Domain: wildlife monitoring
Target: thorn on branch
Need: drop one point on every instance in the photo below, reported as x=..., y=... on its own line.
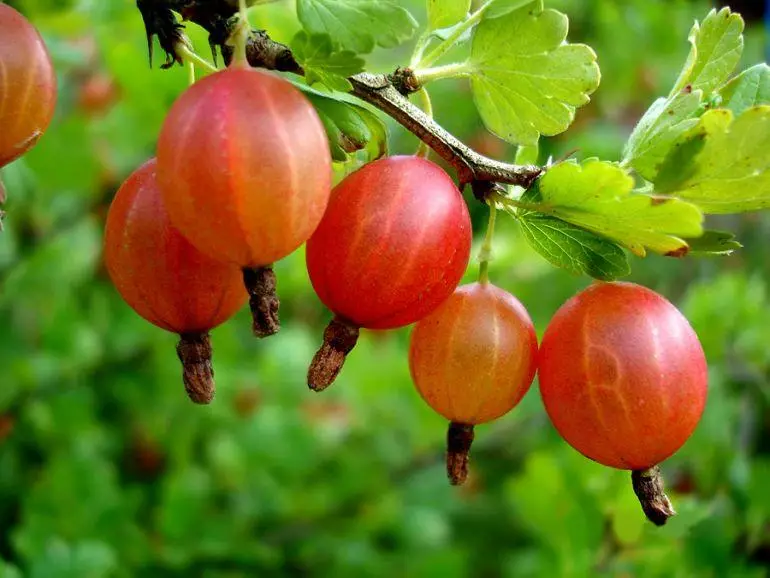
x=160, y=21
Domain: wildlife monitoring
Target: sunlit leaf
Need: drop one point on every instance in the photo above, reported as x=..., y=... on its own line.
x=749, y=88
x=716, y=48
x=445, y=13
x=598, y=196
x=526, y=80
x=731, y=173
x=358, y=25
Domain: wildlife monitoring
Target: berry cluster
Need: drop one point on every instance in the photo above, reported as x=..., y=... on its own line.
x=243, y=178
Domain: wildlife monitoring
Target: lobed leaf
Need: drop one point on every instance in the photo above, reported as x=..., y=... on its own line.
x=358, y=25
x=526, y=80
x=716, y=48
x=661, y=127
x=323, y=64
x=598, y=196
x=713, y=243
x=445, y=13
x=750, y=88
x=730, y=172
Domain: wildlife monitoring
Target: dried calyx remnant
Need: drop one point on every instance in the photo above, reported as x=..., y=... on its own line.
x=263, y=300
x=194, y=351
x=459, y=438
x=648, y=487
x=340, y=338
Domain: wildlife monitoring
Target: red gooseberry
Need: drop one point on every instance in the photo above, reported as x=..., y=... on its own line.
x=27, y=85
x=622, y=376
x=245, y=171
x=165, y=279
x=472, y=360
x=392, y=246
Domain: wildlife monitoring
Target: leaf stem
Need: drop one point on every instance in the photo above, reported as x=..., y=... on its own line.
x=452, y=39
x=190, y=71
x=426, y=75
x=240, y=35
x=423, y=150
x=485, y=255
x=508, y=202
x=419, y=49
x=195, y=58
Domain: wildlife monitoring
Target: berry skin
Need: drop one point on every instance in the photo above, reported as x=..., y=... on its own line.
x=622, y=375
x=27, y=85
x=245, y=171
x=244, y=166
x=472, y=360
x=392, y=246
x=165, y=279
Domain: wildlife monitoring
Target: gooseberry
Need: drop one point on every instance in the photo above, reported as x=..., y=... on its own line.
x=392, y=246
x=245, y=171
x=165, y=279
x=472, y=360
x=622, y=376
x=27, y=85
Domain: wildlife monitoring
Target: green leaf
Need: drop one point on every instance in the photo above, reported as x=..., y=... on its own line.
x=731, y=173
x=573, y=248
x=716, y=48
x=358, y=25
x=349, y=126
x=527, y=154
x=445, y=13
x=323, y=64
x=664, y=123
x=503, y=7
x=713, y=243
x=750, y=88
x=598, y=196
x=526, y=80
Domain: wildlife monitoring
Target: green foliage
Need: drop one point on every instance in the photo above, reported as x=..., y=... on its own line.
x=350, y=127
x=573, y=248
x=358, y=25
x=445, y=13
x=750, y=88
x=598, y=196
x=729, y=169
x=322, y=64
x=716, y=47
x=106, y=470
x=526, y=81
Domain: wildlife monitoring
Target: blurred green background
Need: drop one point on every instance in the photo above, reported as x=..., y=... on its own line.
x=106, y=468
